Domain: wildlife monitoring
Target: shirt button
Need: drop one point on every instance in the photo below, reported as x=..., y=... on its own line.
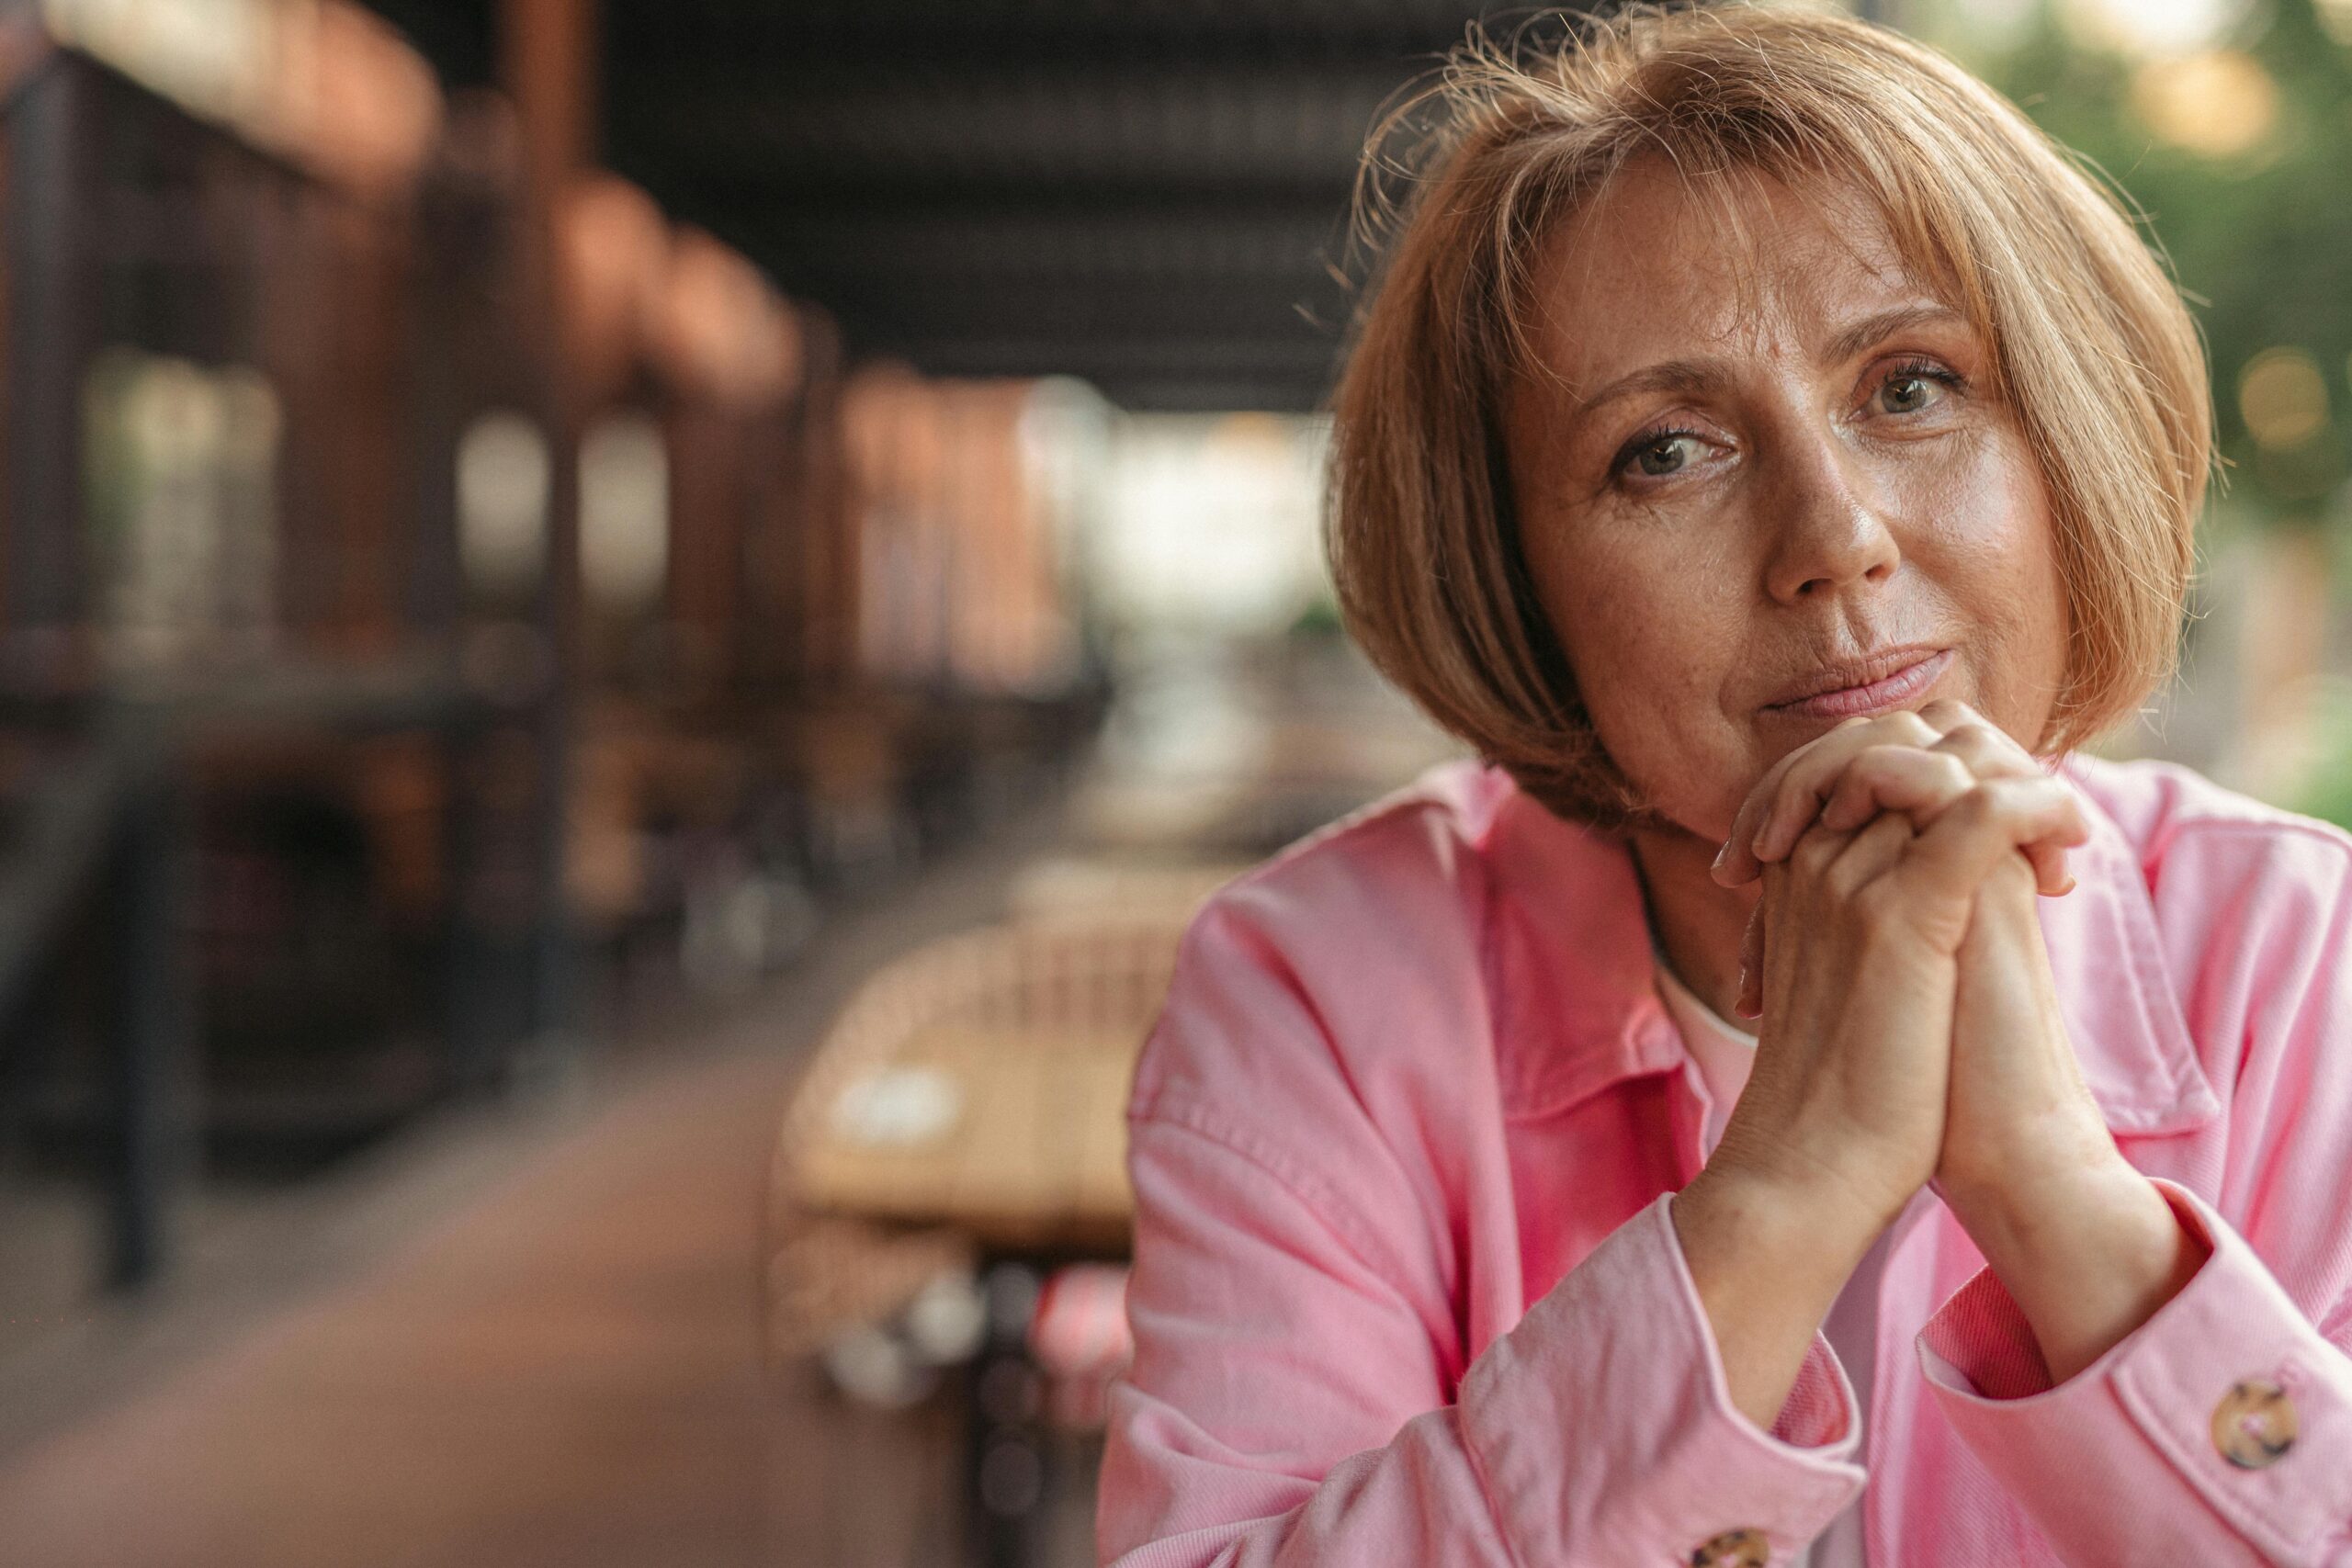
x=2254, y=1424
x=1734, y=1548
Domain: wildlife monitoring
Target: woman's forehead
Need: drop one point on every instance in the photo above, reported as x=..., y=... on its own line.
x=1660, y=266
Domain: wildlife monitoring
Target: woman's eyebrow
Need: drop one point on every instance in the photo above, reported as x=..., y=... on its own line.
x=1856, y=336
x=1707, y=375
x=1666, y=376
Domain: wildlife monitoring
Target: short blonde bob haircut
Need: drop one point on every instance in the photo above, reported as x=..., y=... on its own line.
x=2089, y=342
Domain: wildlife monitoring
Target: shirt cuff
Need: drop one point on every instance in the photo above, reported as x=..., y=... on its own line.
x=1619, y=1362
x=2229, y=1365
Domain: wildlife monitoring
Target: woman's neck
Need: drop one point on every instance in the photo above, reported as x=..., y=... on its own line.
x=1695, y=922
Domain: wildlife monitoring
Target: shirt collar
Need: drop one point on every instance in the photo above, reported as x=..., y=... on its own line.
x=1577, y=1004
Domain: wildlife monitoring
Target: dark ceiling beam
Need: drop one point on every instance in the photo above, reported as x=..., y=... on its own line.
x=979, y=31
x=1175, y=130
x=1206, y=312
x=914, y=248
x=1267, y=307
x=1152, y=194
x=1108, y=357
x=1153, y=352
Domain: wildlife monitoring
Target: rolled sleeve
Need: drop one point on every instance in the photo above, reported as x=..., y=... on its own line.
x=2123, y=1463
x=1620, y=1355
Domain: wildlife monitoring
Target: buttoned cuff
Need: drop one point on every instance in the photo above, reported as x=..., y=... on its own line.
x=2200, y=1394
x=1619, y=1363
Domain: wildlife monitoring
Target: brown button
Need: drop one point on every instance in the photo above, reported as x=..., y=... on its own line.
x=1734, y=1548
x=2254, y=1424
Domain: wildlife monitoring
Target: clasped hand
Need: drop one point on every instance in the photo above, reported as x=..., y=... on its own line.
x=1911, y=1032
x=1903, y=853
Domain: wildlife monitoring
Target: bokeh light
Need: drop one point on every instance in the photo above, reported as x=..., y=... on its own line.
x=2152, y=28
x=2219, y=103
x=2282, y=399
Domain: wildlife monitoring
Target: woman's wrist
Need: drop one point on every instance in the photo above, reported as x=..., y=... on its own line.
x=2088, y=1256
x=1767, y=1262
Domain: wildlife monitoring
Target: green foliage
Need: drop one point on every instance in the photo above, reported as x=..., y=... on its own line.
x=2261, y=240
x=2326, y=791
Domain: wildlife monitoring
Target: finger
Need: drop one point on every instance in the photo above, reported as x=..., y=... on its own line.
x=1873, y=851
x=1990, y=752
x=1999, y=815
x=1813, y=775
x=1809, y=762
x=1948, y=714
x=1845, y=860
x=1750, y=1001
x=2051, y=876
x=1889, y=777
x=1917, y=782
x=1738, y=864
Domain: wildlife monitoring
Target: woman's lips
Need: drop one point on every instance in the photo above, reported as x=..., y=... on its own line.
x=1887, y=692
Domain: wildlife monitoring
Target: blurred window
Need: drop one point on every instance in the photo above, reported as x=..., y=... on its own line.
x=1211, y=521
x=624, y=515
x=182, y=463
x=503, y=472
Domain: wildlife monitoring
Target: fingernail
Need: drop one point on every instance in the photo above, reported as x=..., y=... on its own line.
x=1722, y=855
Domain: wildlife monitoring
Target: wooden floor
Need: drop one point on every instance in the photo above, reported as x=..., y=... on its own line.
x=561, y=1367
x=527, y=1335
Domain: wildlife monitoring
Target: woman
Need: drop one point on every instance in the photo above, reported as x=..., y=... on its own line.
x=1775, y=459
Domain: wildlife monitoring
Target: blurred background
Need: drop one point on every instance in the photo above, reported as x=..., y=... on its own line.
x=627, y=632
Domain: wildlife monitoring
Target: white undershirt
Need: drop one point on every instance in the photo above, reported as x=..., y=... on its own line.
x=1723, y=1055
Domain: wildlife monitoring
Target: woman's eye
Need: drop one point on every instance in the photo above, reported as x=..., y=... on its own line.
x=1656, y=457
x=1916, y=387
x=1910, y=393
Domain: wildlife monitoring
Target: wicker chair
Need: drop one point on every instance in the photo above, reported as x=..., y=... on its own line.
x=999, y=1061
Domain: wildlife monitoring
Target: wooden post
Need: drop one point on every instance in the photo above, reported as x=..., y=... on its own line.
x=148, y=1020
x=548, y=53
x=53, y=331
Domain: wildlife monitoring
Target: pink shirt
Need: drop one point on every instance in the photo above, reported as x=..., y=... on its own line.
x=1723, y=1055
x=1406, y=1291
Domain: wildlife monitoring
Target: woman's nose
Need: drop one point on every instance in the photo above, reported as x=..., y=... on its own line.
x=1830, y=531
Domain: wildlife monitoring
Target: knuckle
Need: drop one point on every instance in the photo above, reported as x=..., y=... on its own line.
x=1964, y=739
x=1880, y=761
x=1950, y=711
x=1867, y=857
x=1798, y=792
x=1815, y=851
x=1911, y=729
x=1951, y=770
x=1844, y=881
x=1986, y=749
x=1969, y=815
x=2020, y=795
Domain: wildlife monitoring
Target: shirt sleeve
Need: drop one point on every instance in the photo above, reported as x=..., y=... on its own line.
x=2217, y=1432
x=2220, y=1431
x=1292, y=1397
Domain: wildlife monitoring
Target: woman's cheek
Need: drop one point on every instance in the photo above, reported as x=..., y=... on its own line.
x=1987, y=551
x=1652, y=695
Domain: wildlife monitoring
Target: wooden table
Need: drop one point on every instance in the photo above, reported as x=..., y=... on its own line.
x=1029, y=1151
x=973, y=1095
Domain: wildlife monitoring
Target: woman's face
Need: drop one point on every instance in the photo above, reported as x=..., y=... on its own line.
x=1731, y=499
